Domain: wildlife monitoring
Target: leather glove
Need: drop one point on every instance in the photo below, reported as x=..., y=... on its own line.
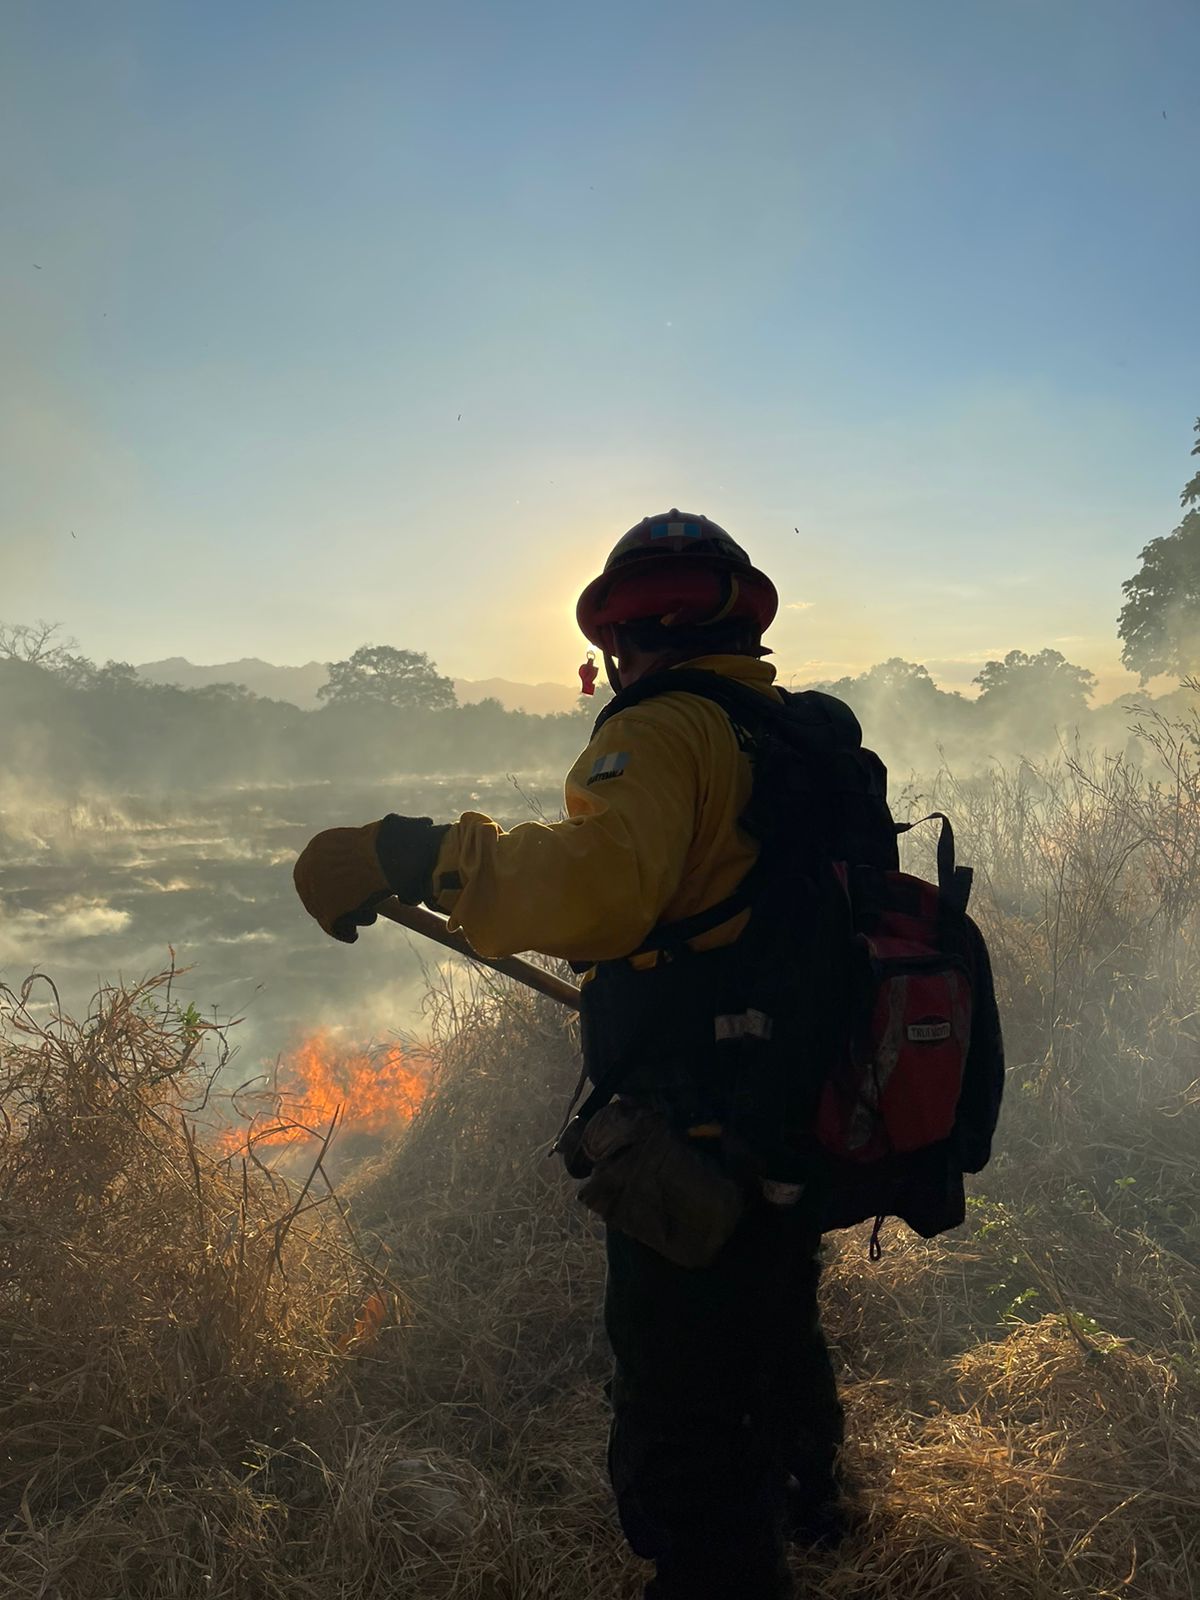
x=344, y=873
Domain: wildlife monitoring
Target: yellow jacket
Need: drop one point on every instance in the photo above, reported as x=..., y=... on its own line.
x=651, y=835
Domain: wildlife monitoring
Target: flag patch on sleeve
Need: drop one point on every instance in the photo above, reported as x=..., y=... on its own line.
x=608, y=767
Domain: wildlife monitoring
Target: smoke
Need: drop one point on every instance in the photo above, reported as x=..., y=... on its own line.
x=144, y=826
x=28, y=933
x=97, y=883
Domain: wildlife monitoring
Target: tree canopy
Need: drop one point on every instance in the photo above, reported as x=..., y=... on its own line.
x=1047, y=679
x=1159, y=625
x=378, y=675
x=894, y=676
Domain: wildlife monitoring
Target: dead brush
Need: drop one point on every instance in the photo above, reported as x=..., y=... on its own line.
x=1003, y=1445
x=1088, y=887
x=159, y=1307
x=1043, y=1468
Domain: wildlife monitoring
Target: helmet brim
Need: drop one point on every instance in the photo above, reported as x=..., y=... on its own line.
x=758, y=599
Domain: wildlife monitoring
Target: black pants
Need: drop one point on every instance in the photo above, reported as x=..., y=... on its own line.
x=723, y=1389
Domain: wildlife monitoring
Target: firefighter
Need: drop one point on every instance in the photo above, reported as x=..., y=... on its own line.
x=726, y=1425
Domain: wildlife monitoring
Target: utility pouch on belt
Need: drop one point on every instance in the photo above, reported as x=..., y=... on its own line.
x=649, y=1182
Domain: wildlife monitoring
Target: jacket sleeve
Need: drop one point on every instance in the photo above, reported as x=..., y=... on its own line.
x=591, y=887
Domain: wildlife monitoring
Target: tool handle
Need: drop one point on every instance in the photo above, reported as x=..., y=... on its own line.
x=431, y=926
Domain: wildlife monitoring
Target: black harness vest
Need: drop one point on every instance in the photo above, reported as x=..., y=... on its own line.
x=662, y=1031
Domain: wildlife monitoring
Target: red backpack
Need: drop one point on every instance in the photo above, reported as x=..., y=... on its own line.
x=912, y=1099
x=897, y=1086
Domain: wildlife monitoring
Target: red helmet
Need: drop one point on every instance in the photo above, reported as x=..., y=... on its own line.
x=681, y=571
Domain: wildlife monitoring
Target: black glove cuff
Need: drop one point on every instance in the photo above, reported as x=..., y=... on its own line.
x=407, y=848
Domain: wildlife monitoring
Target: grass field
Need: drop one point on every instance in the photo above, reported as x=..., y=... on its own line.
x=216, y=1381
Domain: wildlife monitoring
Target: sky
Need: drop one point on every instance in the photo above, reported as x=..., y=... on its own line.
x=325, y=324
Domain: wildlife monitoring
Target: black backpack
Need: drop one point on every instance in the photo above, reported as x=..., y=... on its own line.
x=864, y=1040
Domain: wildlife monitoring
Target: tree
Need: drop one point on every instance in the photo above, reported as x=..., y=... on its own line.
x=1046, y=685
x=40, y=645
x=222, y=694
x=37, y=644
x=76, y=672
x=377, y=675
x=120, y=677
x=1159, y=625
x=897, y=676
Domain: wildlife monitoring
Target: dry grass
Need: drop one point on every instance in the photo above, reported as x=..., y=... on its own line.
x=185, y=1411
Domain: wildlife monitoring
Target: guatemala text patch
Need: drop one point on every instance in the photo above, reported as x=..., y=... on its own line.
x=608, y=767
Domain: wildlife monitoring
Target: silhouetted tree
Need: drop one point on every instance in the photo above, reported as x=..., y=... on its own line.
x=892, y=677
x=378, y=675
x=77, y=672
x=1159, y=625
x=121, y=677
x=224, y=693
x=1047, y=683
x=37, y=643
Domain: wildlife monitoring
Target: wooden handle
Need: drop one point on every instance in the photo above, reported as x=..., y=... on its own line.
x=431, y=926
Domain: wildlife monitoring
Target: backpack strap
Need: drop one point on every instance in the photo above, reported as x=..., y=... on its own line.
x=733, y=698
x=954, y=882
x=819, y=723
x=745, y=707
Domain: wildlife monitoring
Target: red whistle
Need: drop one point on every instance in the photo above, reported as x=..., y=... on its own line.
x=588, y=673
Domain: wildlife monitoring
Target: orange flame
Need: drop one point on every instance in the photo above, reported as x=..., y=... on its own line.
x=377, y=1091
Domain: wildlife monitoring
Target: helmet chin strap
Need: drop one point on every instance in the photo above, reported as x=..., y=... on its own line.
x=658, y=663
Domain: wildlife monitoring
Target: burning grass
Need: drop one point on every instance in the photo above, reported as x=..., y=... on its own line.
x=368, y=1092
x=217, y=1378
